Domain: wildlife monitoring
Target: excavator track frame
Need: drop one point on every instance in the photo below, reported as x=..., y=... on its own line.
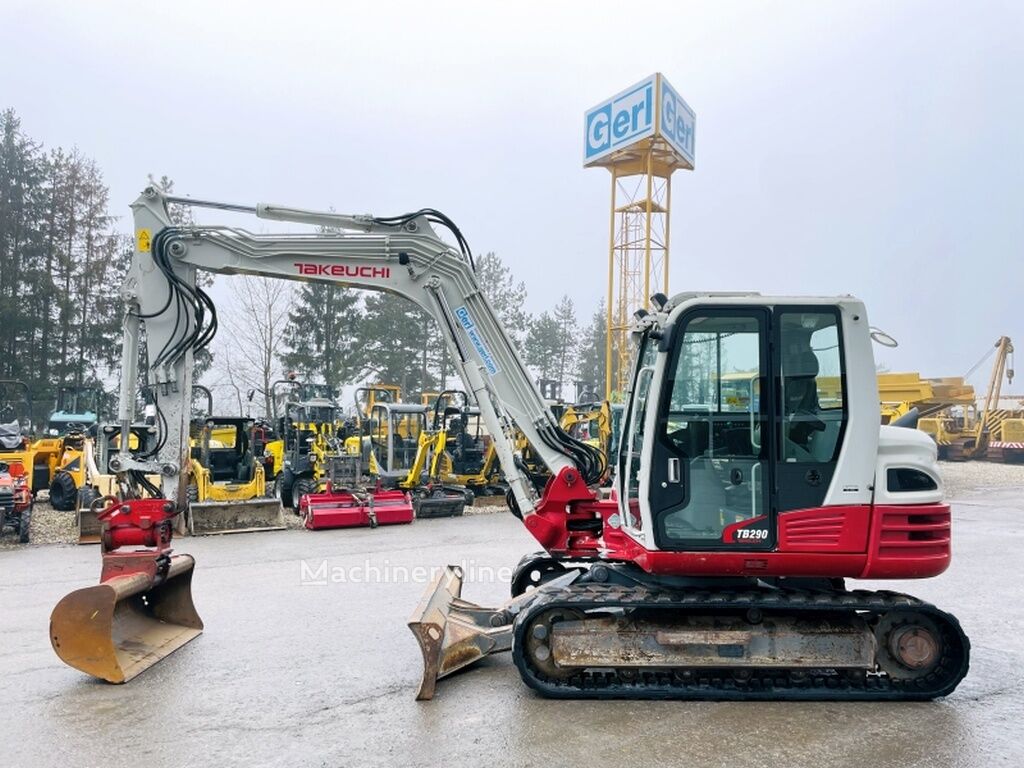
x=730, y=683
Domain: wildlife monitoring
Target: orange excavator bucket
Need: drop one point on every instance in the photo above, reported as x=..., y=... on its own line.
x=142, y=609
x=125, y=625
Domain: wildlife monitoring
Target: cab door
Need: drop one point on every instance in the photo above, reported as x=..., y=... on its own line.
x=713, y=445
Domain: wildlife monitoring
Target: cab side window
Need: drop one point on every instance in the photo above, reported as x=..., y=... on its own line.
x=811, y=378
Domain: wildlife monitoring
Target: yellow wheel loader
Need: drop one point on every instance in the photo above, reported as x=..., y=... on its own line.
x=312, y=433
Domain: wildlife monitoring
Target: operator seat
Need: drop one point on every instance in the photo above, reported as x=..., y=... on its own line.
x=800, y=388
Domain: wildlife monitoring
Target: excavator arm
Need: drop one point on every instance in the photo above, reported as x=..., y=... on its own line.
x=401, y=255
x=142, y=608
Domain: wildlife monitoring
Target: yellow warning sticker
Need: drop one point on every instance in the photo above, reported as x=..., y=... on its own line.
x=142, y=240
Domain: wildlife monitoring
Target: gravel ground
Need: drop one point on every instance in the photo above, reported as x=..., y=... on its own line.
x=962, y=478
x=48, y=526
x=972, y=478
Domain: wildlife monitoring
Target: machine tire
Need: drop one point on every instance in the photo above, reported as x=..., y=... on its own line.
x=63, y=492
x=86, y=496
x=283, y=487
x=25, y=525
x=300, y=488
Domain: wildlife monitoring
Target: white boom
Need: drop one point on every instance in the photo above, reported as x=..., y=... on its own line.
x=401, y=255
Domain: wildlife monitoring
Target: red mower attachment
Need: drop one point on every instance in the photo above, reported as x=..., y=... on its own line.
x=347, y=508
x=142, y=609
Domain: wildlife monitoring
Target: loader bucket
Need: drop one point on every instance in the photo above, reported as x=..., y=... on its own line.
x=125, y=625
x=208, y=517
x=89, y=527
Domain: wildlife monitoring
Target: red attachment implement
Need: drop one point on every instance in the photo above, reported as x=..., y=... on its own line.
x=350, y=509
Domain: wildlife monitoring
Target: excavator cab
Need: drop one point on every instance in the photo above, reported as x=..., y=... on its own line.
x=740, y=411
x=395, y=430
x=468, y=457
x=77, y=409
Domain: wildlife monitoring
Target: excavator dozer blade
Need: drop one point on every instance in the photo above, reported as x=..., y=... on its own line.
x=454, y=633
x=125, y=625
x=209, y=517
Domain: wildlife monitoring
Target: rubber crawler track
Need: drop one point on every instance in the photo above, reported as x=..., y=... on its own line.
x=724, y=685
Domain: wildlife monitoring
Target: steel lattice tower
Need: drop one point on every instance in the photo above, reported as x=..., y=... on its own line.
x=641, y=135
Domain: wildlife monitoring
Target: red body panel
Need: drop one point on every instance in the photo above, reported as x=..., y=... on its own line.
x=341, y=509
x=840, y=529
x=909, y=541
x=136, y=535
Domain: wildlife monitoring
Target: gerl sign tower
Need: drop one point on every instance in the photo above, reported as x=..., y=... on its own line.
x=642, y=135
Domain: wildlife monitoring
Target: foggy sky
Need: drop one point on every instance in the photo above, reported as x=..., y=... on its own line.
x=864, y=148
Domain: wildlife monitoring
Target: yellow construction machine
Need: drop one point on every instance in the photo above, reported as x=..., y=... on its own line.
x=310, y=434
x=899, y=393
x=227, y=492
x=1007, y=442
x=399, y=452
x=463, y=453
x=17, y=443
x=59, y=454
x=965, y=432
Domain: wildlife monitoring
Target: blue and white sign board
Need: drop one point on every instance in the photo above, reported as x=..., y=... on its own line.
x=677, y=122
x=649, y=108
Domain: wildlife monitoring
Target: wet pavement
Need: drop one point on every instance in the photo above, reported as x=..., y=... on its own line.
x=294, y=673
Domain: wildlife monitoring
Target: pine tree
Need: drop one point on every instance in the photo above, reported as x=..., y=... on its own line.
x=568, y=338
x=592, y=361
x=22, y=171
x=507, y=296
x=544, y=345
x=321, y=337
x=61, y=268
x=400, y=343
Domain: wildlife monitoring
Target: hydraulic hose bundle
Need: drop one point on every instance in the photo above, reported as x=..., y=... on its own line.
x=187, y=301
